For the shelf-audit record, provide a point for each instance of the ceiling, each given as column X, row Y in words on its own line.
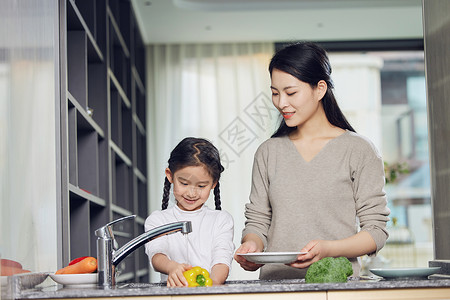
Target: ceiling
column 221, row 21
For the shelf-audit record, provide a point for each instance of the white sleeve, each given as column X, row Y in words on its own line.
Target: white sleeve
column 159, row 245
column 223, row 246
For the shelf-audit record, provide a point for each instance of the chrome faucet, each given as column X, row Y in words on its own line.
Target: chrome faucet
column 108, row 256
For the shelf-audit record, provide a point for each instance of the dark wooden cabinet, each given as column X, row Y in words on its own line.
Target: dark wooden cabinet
column 103, row 131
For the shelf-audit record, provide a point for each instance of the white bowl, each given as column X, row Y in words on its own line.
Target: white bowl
column 75, row 279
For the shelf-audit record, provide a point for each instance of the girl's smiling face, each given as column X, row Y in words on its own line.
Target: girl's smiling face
column 191, row 186
column 296, row 100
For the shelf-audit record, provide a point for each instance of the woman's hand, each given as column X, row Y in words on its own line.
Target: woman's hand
column 317, row 249
column 175, row 274
column 247, row 247
column 353, row 246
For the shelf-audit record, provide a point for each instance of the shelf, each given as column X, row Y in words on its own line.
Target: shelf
column 122, row 181
column 87, row 154
column 99, row 216
column 139, row 106
column 127, row 127
column 79, row 227
column 72, row 145
column 119, row 58
column 77, row 65
column 97, row 103
column 119, row 88
column 87, row 148
column 93, row 13
column 86, row 116
column 121, row 212
column 140, row 127
column 120, row 153
column 85, row 218
column 137, row 77
column 76, row 22
column 140, row 176
column 80, row 193
column 121, row 74
column 142, row 273
column 141, row 159
column 125, row 277
column 138, row 50
column 125, row 226
column 142, row 204
column 140, row 221
column 119, row 14
column 86, row 79
column 122, row 234
column 104, row 128
column 104, row 169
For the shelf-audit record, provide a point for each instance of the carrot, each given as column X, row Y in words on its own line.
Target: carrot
column 87, row 265
column 74, row 261
column 9, row 271
column 10, row 263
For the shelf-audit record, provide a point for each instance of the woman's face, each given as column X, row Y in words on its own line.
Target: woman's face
column 191, row 186
column 296, row 100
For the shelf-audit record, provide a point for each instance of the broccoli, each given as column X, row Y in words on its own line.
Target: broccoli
column 329, row 269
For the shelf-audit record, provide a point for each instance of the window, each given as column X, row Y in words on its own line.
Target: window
column 404, row 116
column 383, row 94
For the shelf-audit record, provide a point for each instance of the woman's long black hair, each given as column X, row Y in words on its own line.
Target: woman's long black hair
column 309, row 63
column 195, row 152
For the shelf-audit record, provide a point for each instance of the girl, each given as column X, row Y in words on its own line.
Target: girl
column 194, row 170
column 318, row 186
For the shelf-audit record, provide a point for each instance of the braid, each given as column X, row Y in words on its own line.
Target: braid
column 166, row 191
column 217, row 196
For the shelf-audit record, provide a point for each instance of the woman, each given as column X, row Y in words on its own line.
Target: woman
column 317, row 185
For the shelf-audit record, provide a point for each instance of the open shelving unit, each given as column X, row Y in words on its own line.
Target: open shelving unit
column 103, row 131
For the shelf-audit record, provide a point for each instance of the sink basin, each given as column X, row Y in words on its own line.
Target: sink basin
column 140, row 285
column 240, row 283
column 234, row 283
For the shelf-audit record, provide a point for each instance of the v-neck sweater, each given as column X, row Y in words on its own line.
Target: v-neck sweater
column 209, row 243
column 333, row 196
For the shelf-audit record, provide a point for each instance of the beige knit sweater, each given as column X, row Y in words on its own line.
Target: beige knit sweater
column 333, row 196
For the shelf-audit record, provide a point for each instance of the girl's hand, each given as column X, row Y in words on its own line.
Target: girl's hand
column 247, row 247
column 317, row 249
column 176, row 277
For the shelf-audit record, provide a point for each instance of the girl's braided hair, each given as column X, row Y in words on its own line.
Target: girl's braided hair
column 195, row 152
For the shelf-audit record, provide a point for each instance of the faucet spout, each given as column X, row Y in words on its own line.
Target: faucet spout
column 107, row 255
column 125, row 250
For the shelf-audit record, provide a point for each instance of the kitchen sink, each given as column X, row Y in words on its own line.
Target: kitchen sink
column 265, row 284
column 234, row 283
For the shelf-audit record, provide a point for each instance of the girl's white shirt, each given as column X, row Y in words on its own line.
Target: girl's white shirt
column 209, row 243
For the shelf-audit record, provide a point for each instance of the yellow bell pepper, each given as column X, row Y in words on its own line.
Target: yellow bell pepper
column 197, row 276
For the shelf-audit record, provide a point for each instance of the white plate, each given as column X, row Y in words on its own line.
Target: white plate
column 75, row 279
column 405, row 272
column 271, row 257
